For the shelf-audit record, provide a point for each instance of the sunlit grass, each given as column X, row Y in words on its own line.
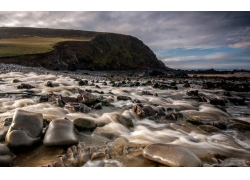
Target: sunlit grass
column 31, row 45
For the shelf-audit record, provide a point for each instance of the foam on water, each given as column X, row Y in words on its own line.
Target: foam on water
column 145, row 131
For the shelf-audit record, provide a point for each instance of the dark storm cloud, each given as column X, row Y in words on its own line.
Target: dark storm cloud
column 158, row 30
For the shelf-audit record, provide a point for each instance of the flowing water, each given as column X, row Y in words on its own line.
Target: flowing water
column 223, row 147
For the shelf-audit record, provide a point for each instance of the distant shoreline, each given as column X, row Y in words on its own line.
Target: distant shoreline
column 220, row 75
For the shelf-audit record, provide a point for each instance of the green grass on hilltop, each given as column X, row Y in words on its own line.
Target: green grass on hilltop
column 32, row 45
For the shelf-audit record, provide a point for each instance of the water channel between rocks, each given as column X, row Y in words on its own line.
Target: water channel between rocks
column 217, row 134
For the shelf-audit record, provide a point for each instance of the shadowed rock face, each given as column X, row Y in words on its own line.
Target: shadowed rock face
column 171, row 155
column 107, row 51
column 60, row 133
column 5, row 157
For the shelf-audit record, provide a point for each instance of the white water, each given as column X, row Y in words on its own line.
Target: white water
column 145, row 131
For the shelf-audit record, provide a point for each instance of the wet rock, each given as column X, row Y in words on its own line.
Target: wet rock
column 239, row 126
column 194, row 120
column 84, row 124
column 78, row 107
column 186, row 85
column 16, row 81
column 86, row 98
column 49, row 84
column 25, row 86
column 8, row 121
column 146, row 93
column 19, row 139
column 138, row 110
column 209, row 129
column 5, row 156
column 123, row 98
column 83, row 82
column 170, row 110
column 159, row 111
column 171, row 155
column 217, row 102
column 25, row 130
column 219, row 124
column 60, row 133
column 123, row 120
column 192, row 93
column 227, row 94
column 3, row 132
column 98, row 106
column 148, row 110
column 43, row 98
column 136, row 101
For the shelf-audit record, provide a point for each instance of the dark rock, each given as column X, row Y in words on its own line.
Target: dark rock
column 25, row 86
column 171, row 155
column 148, row 110
column 128, row 123
column 5, row 156
column 186, row 85
column 138, row 110
column 84, row 124
column 78, row 107
column 19, row 139
column 124, row 98
column 82, row 82
column 86, row 98
column 159, row 111
column 15, row 81
column 60, row 133
column 3, row 132
column 209, row 129
column 217, row 102
column 43, row 98
column 194, row 121
column 136, row 101
column 98, row 106
column 49, row 84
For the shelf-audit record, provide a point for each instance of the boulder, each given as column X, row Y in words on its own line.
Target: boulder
column 5, row 156
column 25, row 130
column 84, row 124
column 60, row 133
column 171, row 155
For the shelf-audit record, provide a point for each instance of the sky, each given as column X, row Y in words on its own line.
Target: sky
column 181, row 39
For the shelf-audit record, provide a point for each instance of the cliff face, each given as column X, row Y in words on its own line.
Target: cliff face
column 105, row 52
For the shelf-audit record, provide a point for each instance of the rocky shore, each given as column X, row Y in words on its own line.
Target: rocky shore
column 122, row 119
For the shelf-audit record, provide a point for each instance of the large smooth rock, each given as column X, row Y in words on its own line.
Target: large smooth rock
column 171, row 155
column 5, row 157
column 31, row 122
column 20, row 139
column 84, row 124
column 25, row 130
column 60, row 133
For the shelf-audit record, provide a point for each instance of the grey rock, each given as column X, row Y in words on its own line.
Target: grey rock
column 5, row 156
column 60, row 133
column 171, row 155
column 84, row 124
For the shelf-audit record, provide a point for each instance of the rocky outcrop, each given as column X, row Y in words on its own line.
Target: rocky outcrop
column 107, row 51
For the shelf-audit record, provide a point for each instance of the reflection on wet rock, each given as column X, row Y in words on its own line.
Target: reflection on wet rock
column 60, row 133
column 171, row 155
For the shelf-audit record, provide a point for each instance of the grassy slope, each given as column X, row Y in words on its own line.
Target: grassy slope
column 21, row 41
